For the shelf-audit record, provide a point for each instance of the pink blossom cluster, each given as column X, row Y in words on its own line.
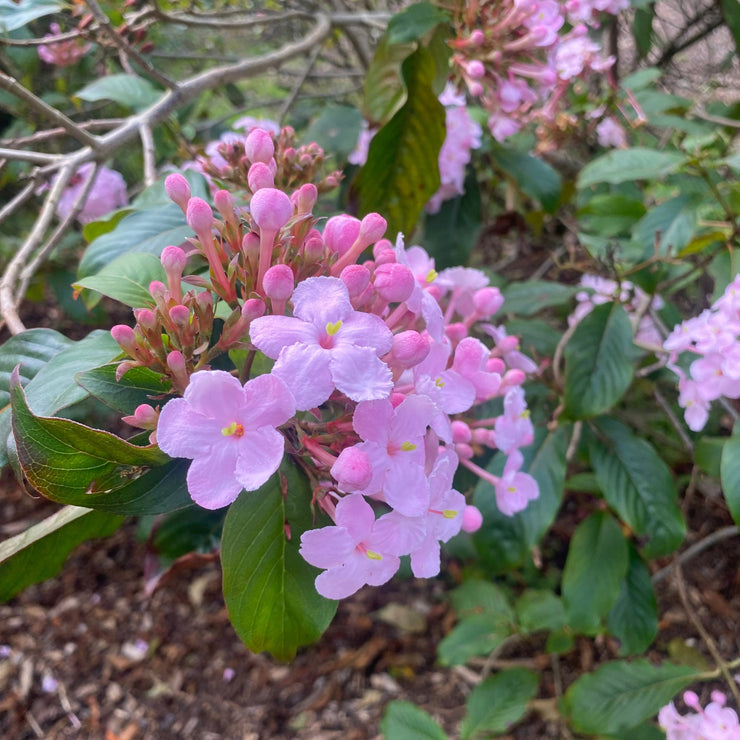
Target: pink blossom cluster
column 463, row 135
column 599, row 290
column 713, row 722
column 108, row 193
column 62, row 53
column 520, row 57
column 714, row 336
column 377, row 367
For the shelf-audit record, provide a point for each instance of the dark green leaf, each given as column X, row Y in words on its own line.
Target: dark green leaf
column 620, row 695
column 268, row 587
column 535, row 177
column 633, row 619
column 610, row 214
column 505, row 541
column 14, row 16
column 708, row 454
column 476, row 596
column 126, row 280
column 498, row 702
column 402, row 170
column 596, row 565
column 450, row 234
column 476, row 634
column 627, row 165
column 405, row 721
column 149, row 231
column 642, row 29
column 39, row 552
column 730, row 476
column 384, row 91
column 671, row 225
column 413, row 22
column 139, row 385
column 188, row 530
column 599, row 361
column 639, row 486
column 125, row 89
column 539, row 610
column 532, row 296
column 731, row 13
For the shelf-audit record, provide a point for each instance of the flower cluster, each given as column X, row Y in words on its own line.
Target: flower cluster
column 376, row 371
column 463, row 135
column 599, row 290
column 713, row 335
column 108, row 192
column 62, row 53
column 715, row 721
column 520, row 57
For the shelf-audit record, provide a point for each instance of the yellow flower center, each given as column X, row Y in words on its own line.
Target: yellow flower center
column 333, row 328
column 449, row 513
column 233, row 430
column 431, row 276
column 373, row 555
column 407, row 447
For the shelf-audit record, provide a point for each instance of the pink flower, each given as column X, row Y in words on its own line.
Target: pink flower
column 610, row 133
column 229, row 433
column 515, row 489
column 62, row 53
column 513, row 428
column 350, row 551
column 108, row 192
column 326, row 344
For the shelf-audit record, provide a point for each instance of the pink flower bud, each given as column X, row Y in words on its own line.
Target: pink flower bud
column 260, row 176
column 253, row 308
column 456, row 332
column 305, row 198
column 476, row 38
column 372, row 228
column 352, row 469
column 259, row 146
column 180, row 315
column 313, row 247
column 178, row 190
column 204, row 299
column 125, row 338
column 507, row 344
column 340, row 233
column 461, row 433
column 157, row 288
column 176, row 361
column 464, row 451
column 495, row 365
column 513, row 377
column 224, row 203
column 380, row 246
column 173, row 260
column 410, row 348
column 144, row 417
column 475, row 89
column 385, row 257
column 251, row 246
column 475, row 69
column 279, row 282
column 394, row 282
column 145, row 318
column 199, row 216
column 356, row 278
column 271, row 209
column 487, row 301
column 472, row 519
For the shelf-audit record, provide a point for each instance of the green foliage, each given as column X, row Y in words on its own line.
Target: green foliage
column 627, row 165
column 730, row 475
column 13, row 17
column 262, row 568
column 535, row 177
column 127, row 90
column 405, row 721
column 39, row 552
column 336, row 129
column 139, row 385
column 413, row 22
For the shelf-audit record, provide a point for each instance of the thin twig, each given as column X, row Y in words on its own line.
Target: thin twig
column 147, row 146
column 12, row 86
column 17, row 201
column 100, row 124
column 677, row 425
column 23, row 156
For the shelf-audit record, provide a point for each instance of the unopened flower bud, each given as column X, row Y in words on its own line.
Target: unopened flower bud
column 157, row 289
column 352, row 470
column 204, row 299
column 464, row 451
column 476, row 37
column 199, row 216
column 251, row 246
column 385, row 257
column 178, row 190
column 224, row 203
column 259, row 146
column 271, row 209
column 410, row 348
column 372, row 228
column 472, row 519
column 173, row 260
column 253, row 308
column 495, row 365
column 260, row 176
column 461, row 433
column 125, row 338
column 313, row 248
column 145, row 318
column 180, row 315
column 475, row 69
column 356, row 278
column 279, row 282
column 487, row 301
column 456, row 332
column 340, row 233
column 144, row 417
column 305, row 198
column 394, row 282
column 513, row 377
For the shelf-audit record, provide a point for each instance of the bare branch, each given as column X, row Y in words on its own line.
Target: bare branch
column 147, row 146
column 12, row 205
column 99, row 124
column 24, row 156
column 12, row 86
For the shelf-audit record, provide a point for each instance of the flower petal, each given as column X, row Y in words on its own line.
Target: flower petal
column 321, row 300
column 216, row 394
column 260, row 454
column 305, row 370
column 271, row 333
column 211, row 480
column 268, row 402
column 359, row 373
column 327, row 547
column 175, row 430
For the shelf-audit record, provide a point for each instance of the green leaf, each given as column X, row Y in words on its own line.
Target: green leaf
column 73, row 464
column 139, row 385
column 620, row 695
column 384, row 91
column 193, row 529
column 642, row 29
column 673, row 224
column 596, row 565
column 498, row 702
column 633, row 619
column 450, row 234
column 535, row 177
column 402, row 170
column 505, row 541
column 150, row 230
column 15, row 15
column 477, row 634
column 532, row 296
column 627, row 165
column 30, row 349
column 610, row 214
column 128, row 90
column 599, row 361
column 268, row 587
column 708, row 454
column 405, row 721
column 730, row 476
column 413, row 22
column 731, row 13
column 336, row 129
column 638, row 485
column 539, row 610
column 126, row 280
column 476, row 597
column 39, row 552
